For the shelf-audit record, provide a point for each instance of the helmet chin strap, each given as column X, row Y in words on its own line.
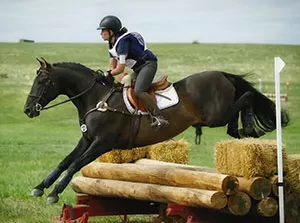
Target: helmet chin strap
column 110, row 40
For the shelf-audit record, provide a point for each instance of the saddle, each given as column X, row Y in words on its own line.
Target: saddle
column 161, row 84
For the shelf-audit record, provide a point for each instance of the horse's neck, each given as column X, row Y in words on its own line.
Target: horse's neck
column 74, row 84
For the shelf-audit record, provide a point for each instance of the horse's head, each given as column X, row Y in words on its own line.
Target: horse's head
column 42, row 90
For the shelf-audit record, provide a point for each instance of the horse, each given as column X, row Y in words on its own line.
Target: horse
column 209, row 98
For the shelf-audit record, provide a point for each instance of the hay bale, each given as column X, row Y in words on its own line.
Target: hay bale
column 174, row 151
column 292, row 175
column 123, row 156
column 248, row 157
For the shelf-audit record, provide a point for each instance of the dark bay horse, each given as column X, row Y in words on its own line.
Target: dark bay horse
column 210, row 98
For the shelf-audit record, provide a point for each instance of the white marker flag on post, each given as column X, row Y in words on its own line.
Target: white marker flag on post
column 278, row 66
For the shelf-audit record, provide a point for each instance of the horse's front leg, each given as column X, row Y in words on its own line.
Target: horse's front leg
column 82, row 145
column 95, row 150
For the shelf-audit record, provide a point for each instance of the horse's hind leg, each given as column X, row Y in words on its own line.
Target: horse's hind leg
column 245, row 105
column 233, row 127
column 63, row 165
column 247, row 120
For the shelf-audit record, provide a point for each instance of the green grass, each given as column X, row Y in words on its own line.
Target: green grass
column 30, row 148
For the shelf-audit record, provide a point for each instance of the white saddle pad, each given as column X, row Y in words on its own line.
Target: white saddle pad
column 165, row 99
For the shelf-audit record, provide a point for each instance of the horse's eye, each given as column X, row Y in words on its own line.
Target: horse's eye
column 42, row 79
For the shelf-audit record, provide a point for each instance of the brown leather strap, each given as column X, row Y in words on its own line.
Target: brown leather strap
column 135, row 127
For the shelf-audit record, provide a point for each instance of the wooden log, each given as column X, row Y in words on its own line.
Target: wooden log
column 239, row 204
column 181, row 166
column 257, row 187
column 292, row 207
column 267, row 207
column 274, row 186
column 152, row 192
column 162, row 175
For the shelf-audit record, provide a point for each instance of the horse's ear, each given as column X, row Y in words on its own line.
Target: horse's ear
column 48, row 65
column 43, row 65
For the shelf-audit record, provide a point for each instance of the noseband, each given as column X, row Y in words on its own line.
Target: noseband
column 49, row 82
column 40, row 97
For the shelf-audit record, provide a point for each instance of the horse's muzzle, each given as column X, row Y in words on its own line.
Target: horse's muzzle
column 31, row 112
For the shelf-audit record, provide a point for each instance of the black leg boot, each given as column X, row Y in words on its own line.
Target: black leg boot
column 247, row 121
column 158, row 120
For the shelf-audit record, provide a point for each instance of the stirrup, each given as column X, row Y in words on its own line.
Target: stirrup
column 158, row 122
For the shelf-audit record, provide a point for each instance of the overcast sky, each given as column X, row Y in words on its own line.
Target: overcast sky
column 213, row 21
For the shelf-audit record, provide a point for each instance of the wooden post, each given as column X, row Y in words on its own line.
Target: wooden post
column 181, row 166
column 267, row 207
column 239, row 204
column 257, row 187
column 152, row 192
column 162, row 175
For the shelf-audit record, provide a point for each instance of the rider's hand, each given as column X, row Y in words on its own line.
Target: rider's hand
column 107, row 73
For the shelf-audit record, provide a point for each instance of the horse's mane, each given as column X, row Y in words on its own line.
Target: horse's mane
column 75, row 67
column 98, row 75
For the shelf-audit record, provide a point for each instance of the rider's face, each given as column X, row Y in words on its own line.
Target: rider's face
column 105, row 34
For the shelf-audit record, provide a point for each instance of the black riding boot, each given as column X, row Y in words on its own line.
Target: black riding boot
column 158, row 120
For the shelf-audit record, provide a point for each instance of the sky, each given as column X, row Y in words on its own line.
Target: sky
column 213, row 21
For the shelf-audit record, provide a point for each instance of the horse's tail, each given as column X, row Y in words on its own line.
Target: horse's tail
column 264, row 109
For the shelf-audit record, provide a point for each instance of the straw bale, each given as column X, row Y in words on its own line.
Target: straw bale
column 123, row 156
column 292, row 175
column 175, row 151
column 248, row 157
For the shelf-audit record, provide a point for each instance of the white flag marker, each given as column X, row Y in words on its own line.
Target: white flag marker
column 278, row 66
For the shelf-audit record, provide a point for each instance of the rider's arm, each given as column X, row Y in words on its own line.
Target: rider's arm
column 122, row 50
column 112, row 63
column 120, row 66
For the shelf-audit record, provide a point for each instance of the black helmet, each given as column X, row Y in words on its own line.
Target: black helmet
column 110, row 22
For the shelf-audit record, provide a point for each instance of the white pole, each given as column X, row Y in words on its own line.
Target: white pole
column 278, row 66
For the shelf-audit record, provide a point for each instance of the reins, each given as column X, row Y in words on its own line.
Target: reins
column 72, row 98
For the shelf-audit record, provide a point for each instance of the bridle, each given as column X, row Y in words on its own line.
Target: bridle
column 48, row 83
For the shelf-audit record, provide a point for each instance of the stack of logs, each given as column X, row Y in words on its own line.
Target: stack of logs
column 187, row 185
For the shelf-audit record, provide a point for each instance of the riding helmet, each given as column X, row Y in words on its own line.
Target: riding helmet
column 110, row 22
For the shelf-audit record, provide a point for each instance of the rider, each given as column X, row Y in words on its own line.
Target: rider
column 129, row 49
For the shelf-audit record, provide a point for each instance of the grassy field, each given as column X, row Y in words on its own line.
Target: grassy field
column 30, row 148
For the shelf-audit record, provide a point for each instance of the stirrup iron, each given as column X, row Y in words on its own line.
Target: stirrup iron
column 158, row 121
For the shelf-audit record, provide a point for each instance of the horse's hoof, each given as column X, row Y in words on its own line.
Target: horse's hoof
column 36, row 192
column 52, row 199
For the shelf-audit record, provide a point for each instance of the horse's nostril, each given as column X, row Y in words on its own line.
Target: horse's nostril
column 27, row 111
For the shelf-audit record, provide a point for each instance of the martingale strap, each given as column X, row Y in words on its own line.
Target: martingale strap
column 102, row 106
